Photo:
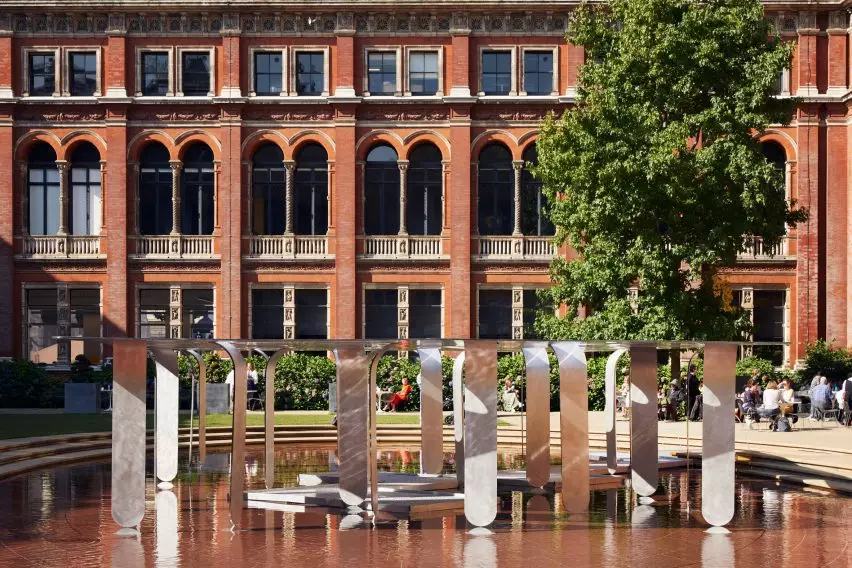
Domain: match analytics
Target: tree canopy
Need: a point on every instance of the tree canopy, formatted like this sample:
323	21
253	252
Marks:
655	177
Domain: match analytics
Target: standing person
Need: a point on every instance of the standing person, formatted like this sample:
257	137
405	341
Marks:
696	411
676	396
820	398
229	380
251	376
692	389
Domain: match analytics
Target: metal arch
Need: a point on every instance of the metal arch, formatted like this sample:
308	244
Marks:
431	407
458	416
202	403
372	438
238	433
269	416
538	415
166	401
609	410
574	424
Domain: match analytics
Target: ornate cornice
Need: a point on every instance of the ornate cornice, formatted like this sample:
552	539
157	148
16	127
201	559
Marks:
146	265
373	266
28	265
266	266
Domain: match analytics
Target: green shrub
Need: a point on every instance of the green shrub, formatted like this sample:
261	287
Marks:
820	356
24	384
746	366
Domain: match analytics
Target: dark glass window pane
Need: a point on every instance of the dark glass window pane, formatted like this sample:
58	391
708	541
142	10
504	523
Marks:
768	318
196	74
532	306
43	187
311	314
381	192
42	325
155	191
495	314
380	317
381	73
496	208
155	73
153	313
197	191
496	72
310	191
267	314
198	317
538	72
424	187
83	79
42	74
268	71
425	317
310	73
535	219
269	191
423	72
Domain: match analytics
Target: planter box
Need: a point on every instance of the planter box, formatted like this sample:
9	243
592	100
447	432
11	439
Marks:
218	398
82	398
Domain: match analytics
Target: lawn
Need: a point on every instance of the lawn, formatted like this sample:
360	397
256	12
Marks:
30	425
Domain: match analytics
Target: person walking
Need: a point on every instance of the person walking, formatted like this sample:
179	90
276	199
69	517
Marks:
693	389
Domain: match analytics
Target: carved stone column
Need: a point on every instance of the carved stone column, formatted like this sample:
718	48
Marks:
290	166
403	182
402	312
289	312
102	222
63	324
518	166
175	323
133	167
62	166
517	312
747	303
176	167
217	171
330	197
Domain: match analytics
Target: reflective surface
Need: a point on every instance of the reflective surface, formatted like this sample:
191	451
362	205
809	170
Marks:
61	517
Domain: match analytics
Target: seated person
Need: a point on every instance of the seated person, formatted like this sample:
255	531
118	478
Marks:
771	401
676	397
788	397
750	401
820	398
510	400
398	397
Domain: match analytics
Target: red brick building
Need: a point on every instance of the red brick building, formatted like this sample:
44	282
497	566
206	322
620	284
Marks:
289	169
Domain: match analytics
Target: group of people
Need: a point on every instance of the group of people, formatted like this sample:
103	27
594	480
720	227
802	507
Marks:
691	393
776	401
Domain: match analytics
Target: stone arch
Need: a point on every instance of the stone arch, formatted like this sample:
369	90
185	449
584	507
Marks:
186	139
527	140
71	140
25	142
420	136
257	139
310	137
783	139
489	136
366	142
138	143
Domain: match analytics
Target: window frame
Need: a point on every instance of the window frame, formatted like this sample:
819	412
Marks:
554	87
91	220
211	54
513	69
409	49
27	286
293	72
397	52
283	286
25	68
67	53
285	68
443	305
486	288
170	56
137	294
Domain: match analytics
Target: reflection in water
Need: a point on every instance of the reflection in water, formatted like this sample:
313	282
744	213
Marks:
61	517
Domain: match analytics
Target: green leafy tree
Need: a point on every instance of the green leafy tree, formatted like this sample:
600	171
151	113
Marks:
655	176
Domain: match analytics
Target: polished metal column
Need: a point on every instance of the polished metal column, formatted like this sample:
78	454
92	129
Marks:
431	412
643	423
458	416
609	409
202	404
128	432
574	425
269	417
238	433
166	400
480	436
717	451
538	415
353	367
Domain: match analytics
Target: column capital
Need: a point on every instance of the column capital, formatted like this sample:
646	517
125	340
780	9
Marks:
403	164
175	165
290	164
518	164
62	165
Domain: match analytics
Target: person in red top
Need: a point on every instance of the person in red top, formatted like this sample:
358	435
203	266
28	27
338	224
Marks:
399	396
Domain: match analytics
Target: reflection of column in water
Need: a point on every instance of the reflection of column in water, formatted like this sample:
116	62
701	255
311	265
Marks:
127	552
333	464
717	550
644	517
609	546
480	552
165	504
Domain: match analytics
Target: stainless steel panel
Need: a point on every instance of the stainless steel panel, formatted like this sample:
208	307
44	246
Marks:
458	416
431	412
480	436
574	425
643	424
717	451
202	404
538	415
238	434
353	397
609	409
269	418
166	401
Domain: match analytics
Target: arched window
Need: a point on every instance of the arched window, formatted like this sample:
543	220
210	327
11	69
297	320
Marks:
424	187
269	189
43	179
534	219
381	192
496	203
155	191
84	200
197	191
310	191
775	155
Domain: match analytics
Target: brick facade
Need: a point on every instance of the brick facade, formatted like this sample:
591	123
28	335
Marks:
813	269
